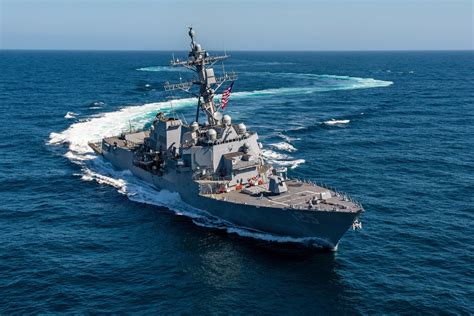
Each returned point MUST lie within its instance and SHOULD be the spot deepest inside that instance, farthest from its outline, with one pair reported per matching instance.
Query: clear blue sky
(237, 25)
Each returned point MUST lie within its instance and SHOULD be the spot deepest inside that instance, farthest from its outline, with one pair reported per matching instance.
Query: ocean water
(392, 129)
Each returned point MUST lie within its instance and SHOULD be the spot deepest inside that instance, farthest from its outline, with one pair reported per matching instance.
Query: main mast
(208, 83)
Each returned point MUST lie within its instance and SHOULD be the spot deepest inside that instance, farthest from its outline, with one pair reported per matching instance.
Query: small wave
(145, 87)
(284, 146)
(282, 160)
(162, 69)
(287, 138)
(337, 122)
(253, 63)
(292, 164)
(96, 105)
(274, 156)
(70, 115)
(270, 63)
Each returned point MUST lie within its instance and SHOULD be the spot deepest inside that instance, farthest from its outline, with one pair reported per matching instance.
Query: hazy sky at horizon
(237, 25)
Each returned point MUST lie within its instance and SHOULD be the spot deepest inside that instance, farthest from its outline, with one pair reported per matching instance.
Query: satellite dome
(211, 134)
(227, 120)
(217, 116)
(242, 128)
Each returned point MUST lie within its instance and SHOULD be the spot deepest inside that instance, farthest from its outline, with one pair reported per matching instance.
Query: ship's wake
(94, 168)
(316, 82)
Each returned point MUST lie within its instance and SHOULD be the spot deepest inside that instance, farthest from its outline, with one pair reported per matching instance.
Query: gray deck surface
(130, 141)
(297, 197)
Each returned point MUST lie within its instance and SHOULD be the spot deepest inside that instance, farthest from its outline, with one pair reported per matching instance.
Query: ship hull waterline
(322, 229)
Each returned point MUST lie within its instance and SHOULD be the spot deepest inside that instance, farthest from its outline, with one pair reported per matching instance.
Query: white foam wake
(282, 160)
(161, 69)
(322, 82)
(349, 83)
(284, 146)
(336, 122)
(79, 134)
(286, 137)
(70, 115)
(96, 105)
(113, 123)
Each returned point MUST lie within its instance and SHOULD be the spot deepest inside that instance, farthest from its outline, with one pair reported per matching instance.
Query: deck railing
(345, 196)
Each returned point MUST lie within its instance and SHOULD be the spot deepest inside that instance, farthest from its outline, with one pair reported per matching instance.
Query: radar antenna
(208, 83)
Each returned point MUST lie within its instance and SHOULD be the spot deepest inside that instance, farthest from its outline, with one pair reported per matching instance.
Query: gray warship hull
(319, 228)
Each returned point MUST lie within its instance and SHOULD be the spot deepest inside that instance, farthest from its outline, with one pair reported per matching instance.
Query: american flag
(226, 95)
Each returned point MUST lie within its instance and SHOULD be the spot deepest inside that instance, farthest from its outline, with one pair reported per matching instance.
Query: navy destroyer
(217, 166)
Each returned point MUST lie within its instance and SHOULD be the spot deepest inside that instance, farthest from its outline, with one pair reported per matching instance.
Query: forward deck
(300, 195)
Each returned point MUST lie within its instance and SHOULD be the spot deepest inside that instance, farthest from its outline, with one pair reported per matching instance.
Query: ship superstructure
(218, 166)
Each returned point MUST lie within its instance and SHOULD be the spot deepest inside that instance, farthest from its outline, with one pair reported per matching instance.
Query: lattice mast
(206, 80)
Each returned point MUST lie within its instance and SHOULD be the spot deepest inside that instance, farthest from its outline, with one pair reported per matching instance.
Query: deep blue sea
(78, 236)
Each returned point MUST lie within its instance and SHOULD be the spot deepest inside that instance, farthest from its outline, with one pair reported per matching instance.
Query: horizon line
(242, 50)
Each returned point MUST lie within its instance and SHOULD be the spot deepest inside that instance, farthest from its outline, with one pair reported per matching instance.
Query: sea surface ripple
(392, 129)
